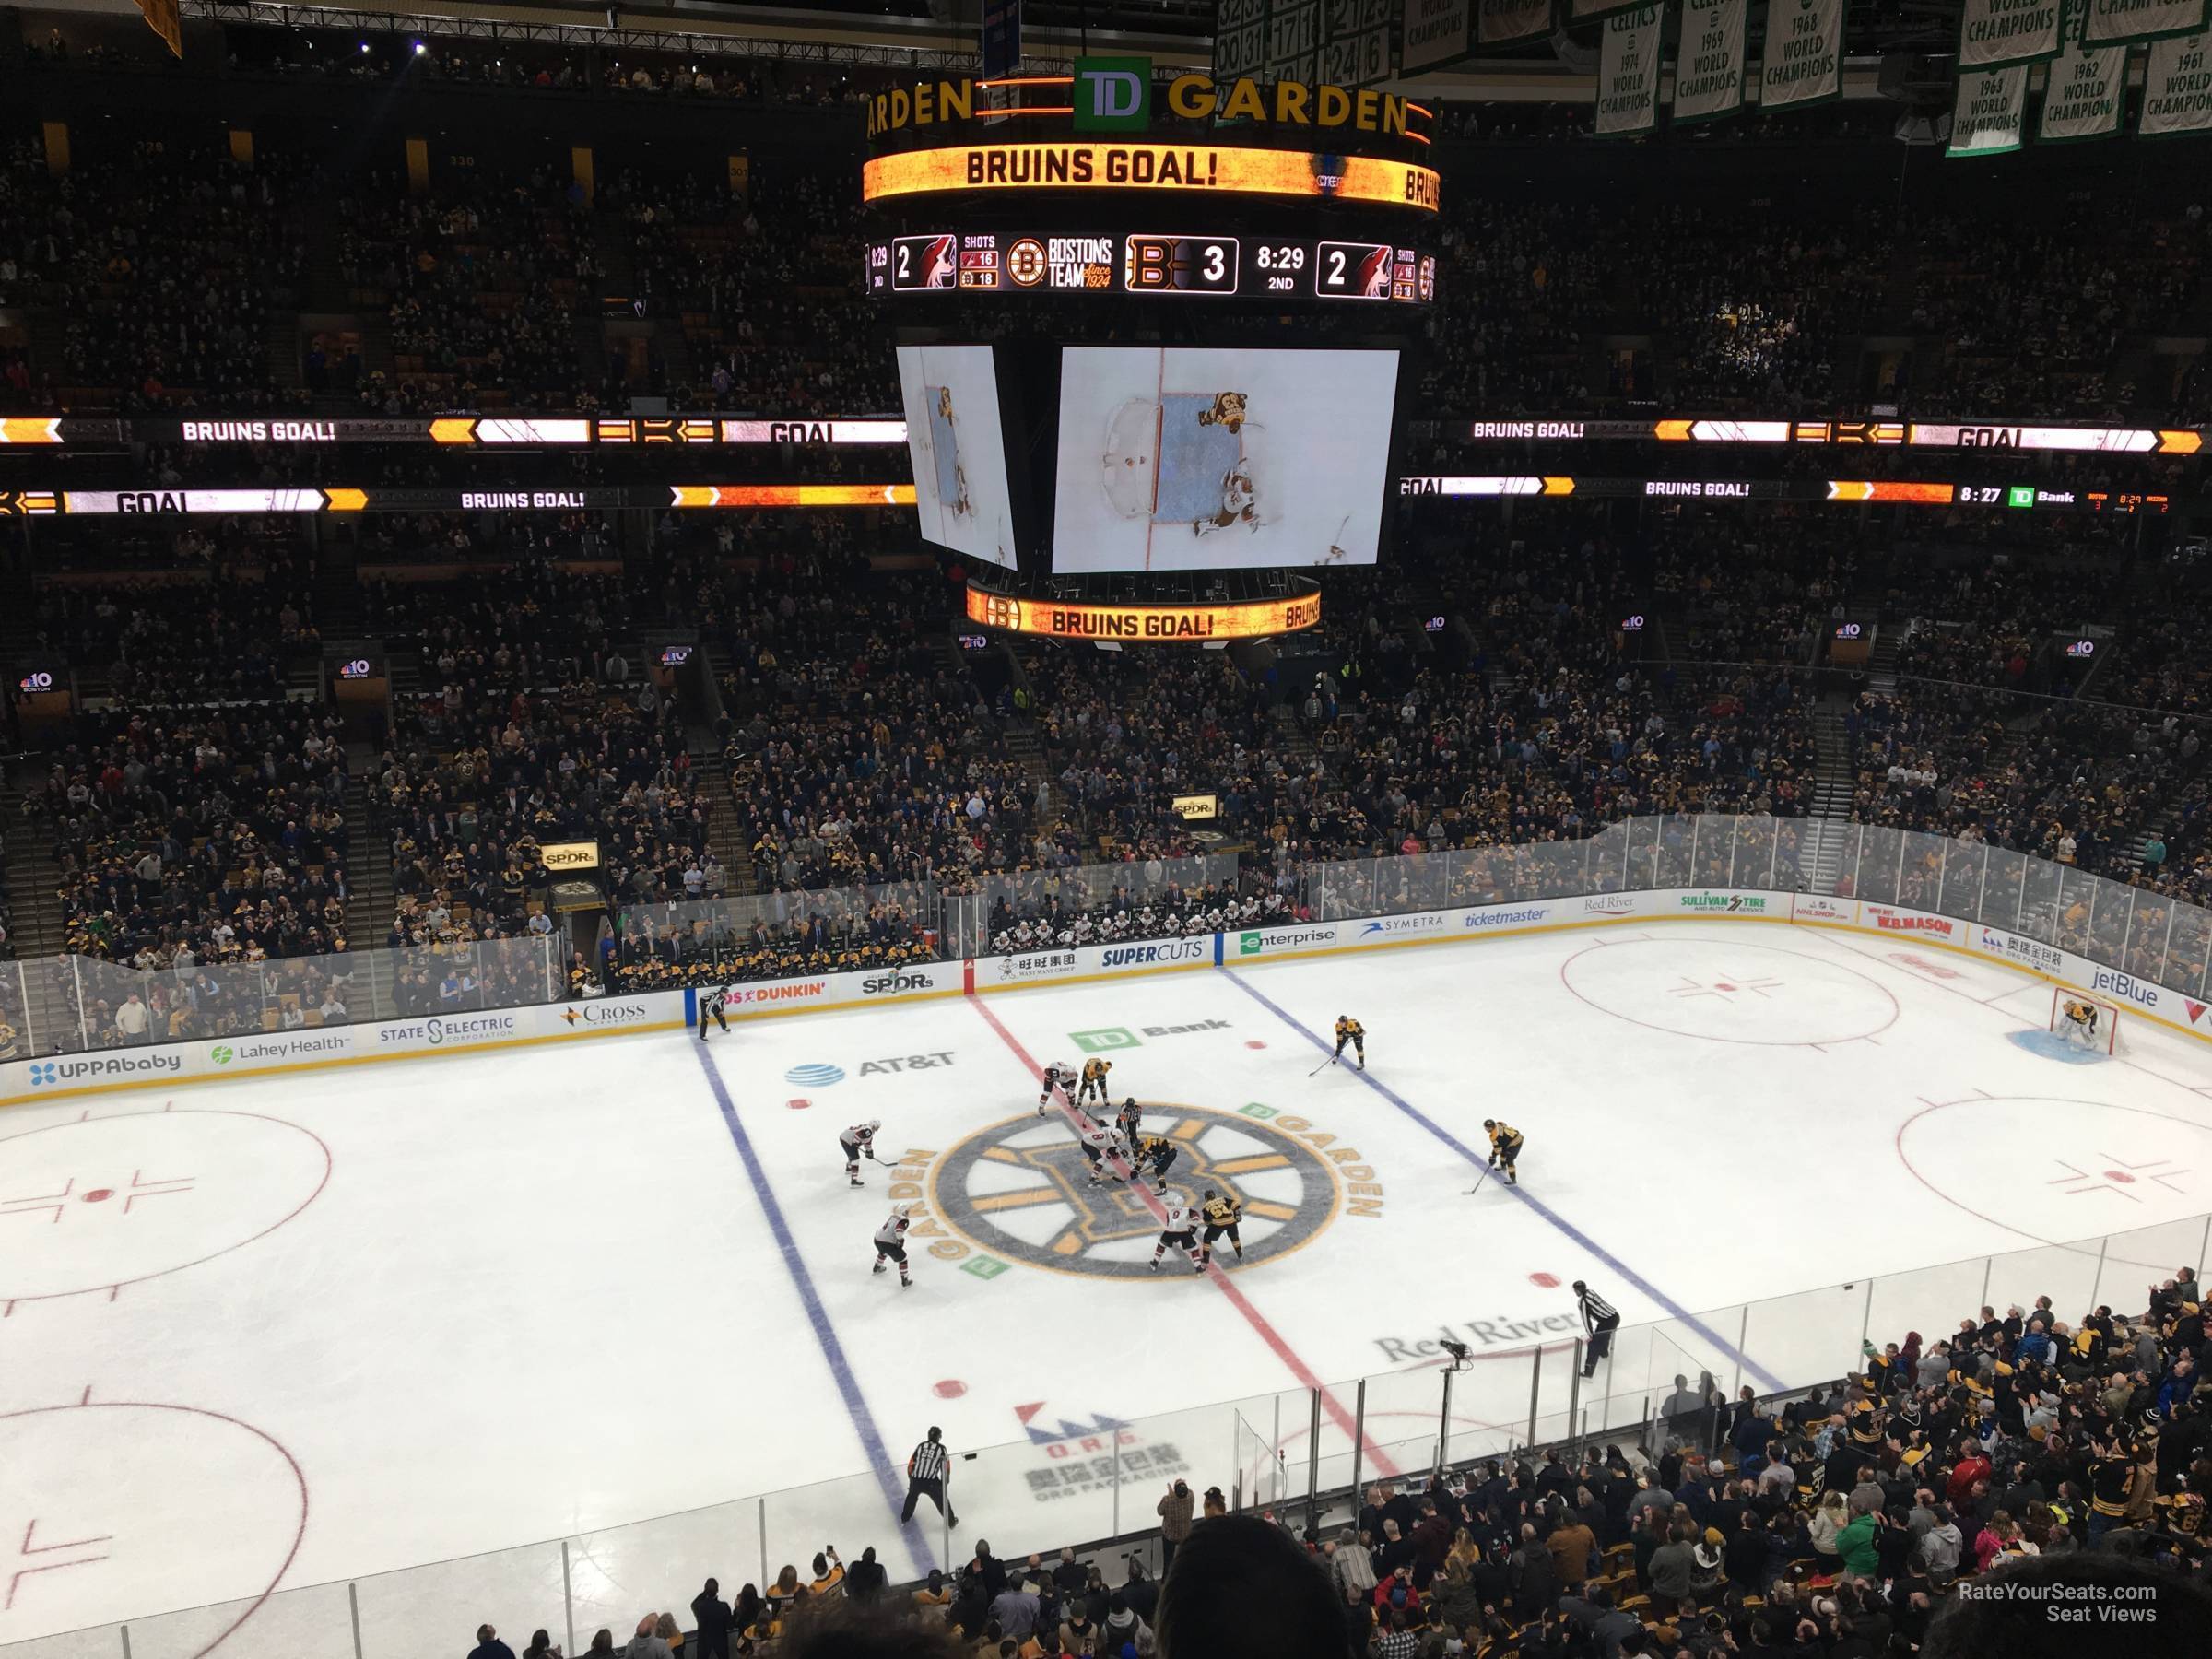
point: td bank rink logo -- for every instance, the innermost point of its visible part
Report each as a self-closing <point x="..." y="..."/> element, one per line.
<point x="1021" y="1191"/>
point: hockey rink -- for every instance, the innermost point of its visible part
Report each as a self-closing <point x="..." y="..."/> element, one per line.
<point x="266" y="1347"/>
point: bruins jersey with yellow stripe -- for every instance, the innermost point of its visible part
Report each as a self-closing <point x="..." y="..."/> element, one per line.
<point x="1094" y="1071"/>
<point x="1221" y="1212"/>
<point x="1349" y="1027"/>
<point x="1152" y="1146"/>
<point x="1504" y="1137"/>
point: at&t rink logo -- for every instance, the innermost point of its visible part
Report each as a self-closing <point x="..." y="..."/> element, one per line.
<point x="1021" y="1191"/>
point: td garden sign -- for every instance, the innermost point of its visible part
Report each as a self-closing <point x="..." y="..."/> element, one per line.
<point x="1115" y="95"/>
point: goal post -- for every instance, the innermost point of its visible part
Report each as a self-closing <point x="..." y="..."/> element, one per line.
<point x="2101" y="1032"/>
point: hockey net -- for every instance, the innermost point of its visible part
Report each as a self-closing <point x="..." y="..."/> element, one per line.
<point x="2100" y="1031"/>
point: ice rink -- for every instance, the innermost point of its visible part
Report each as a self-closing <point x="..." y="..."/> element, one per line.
<point x="263" y="1346"/>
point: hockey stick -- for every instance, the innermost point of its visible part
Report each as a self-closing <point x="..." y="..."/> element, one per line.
<point x="1330" y="1060"/>
<point x="1478" y="1181"/>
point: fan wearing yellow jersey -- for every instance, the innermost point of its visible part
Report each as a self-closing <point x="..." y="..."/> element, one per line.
<point x="1505" y="1148"/>
<point x="1350" y="1030"/>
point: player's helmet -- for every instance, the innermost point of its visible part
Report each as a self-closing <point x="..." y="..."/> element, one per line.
<point x="1580" y="1286"/>
<point x="1489" y="1123"/>
<point x="1129" y="1102"/>
<point x="873" y="1125"/>
<point x="1211" y="1194"/>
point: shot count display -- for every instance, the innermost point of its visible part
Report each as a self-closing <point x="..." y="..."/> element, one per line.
<point x="1151" y="263"/>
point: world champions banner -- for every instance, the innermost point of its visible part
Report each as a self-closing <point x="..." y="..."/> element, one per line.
<point x="1709" y="60"/>
<point x="1993" y="33"/>
<point x="1803" y="60"/>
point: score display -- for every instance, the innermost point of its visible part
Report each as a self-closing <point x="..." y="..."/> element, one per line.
<point x="1151" y="263"/>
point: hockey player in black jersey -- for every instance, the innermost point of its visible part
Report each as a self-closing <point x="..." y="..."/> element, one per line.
<point x="1221" y="1216"/>
<point x="1350" y="1030"/>
<point x="1094" y="1082"/>
<point x="1156" y="1155"/>
<point x="857" y="1141"/>
<point x="711" y="1004"/>
<point x="1505" y="1149"/>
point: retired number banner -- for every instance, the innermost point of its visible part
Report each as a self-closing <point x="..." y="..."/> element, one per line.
<point x="2085" y="94"/>
<point x="2113" y="21"/>
<point x="1987" y="119"/>
<point x="1803" y="62"/>
<point x="2177" y="87"/>
<point x="1627" y="74"/>
<point x="1993" y="33"/>
<point x="1709" y="60"/>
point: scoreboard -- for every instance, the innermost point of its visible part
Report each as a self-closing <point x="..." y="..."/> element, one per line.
<point x="996" y="261"/>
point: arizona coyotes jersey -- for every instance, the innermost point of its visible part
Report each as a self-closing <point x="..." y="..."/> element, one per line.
<point x="1102" y="1138"/>
<point x="1179" y="1219"/>
<point x="893" y="1231"/>
<point x="860" y="1134"/>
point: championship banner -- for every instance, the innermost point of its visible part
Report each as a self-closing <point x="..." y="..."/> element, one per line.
<point x="1592" y="11"/>
<point x="2110" y="22"/>
<point x="1987" y="119"/>
<point x="1627" y="74"/>
<point x="2177" y="87"/>
<point x="1499" y="22"/>
<point x="1432" y="33"/>
<point x="1709" y="60"/>
<point x="1993" y="33"/>
<point x="1801" y="62"/>
<point x="2085" y="94"/>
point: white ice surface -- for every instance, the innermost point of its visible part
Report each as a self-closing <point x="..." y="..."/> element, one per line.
<point x="334" y="1326"/>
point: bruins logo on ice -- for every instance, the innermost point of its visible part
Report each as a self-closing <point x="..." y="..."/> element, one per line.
<point x="1021" y="1190"/>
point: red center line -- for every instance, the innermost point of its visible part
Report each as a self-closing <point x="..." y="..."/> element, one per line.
<point x="1374" y="1454"/>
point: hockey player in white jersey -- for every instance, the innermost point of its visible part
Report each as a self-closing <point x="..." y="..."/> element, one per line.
<point x="858" y="1140"/>
<point x="1180" y="1230"/>
<point x="1061" y="1076"/>
<point x="1102" y="1143"/>
<point x="890" y="1243"/>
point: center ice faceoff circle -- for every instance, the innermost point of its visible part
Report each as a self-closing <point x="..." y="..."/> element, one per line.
<point x="1020" y="1190"/>
<point x="1729" y="991"/>
<point x="101" y="1202"/>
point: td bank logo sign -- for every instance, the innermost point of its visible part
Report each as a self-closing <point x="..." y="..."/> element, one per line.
<point x="1112" y="94"/>
<point x="1108" y="1037"/>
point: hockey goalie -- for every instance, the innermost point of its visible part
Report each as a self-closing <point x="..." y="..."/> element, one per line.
<point x="2083" y="1021"/>
<point x="1185" y="458"/>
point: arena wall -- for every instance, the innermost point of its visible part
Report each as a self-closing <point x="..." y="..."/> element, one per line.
<point x="163" y="1066"/>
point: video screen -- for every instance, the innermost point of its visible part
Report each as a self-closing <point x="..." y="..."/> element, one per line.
<point x="958" y="449"/>
<point x="1178" y="458"/>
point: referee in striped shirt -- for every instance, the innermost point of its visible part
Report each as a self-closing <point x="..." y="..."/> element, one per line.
<point x="1600" y="1315"/>
<point x="925" y="1479"/>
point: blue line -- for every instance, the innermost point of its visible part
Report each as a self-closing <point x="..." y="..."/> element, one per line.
<point x="1768" y="1380"/>
<point x="833" y="1351"/>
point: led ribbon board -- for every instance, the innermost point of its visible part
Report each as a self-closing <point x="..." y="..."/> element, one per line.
<point x="1146" y="624"/>
<point x="1206" y="169"/>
